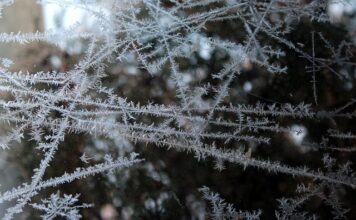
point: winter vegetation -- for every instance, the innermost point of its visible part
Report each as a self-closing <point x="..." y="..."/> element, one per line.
<point x="216" y="91"/>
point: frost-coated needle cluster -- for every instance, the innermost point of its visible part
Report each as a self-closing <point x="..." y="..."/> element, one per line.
<point x="47" y="106"/>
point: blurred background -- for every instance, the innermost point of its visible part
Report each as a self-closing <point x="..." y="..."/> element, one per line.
<point x="165" y="186"/>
